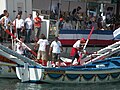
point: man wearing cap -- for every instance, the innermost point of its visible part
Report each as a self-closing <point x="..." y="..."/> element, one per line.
<point x="77" y="49"/>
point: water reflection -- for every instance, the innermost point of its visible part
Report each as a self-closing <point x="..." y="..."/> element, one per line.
<point x="14" y="84"/>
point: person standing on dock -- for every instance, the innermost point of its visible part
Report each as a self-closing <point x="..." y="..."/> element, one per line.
<point x="77" y="49"/>
<point x="56" y="48"/>
<point x="19" y="25"/>
<point x="2" y="24"/>
<point x="6" y="26"/>
<point x="37" y="25"/>
<point x="28" y="27"/>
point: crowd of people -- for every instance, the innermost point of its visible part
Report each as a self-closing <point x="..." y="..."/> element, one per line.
<point x="51" y="52"/>
<point x="67" y="20"/>
<point x="22" y="31"/>
<point x="45" y="51"/>
<point x="20" y="27"/>
<point x="42" y="46"/>
<point x="79" y="20"/>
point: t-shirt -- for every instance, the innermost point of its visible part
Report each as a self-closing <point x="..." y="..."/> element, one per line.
<point x="29" y="23"/>
<point x="42" y="44"/>
<point x="6" y="21"/>
<point x="77" y="44"/>
<point x="37" y="22"/>
<point x="56" y="46"/>
<point x="20" y="50"/>
<point x="19" y="23"/>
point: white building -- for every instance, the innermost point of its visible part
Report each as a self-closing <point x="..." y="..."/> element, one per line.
<point x="14" y="6"/>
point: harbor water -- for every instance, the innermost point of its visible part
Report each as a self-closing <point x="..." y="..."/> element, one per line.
<point x="15" y="84"/>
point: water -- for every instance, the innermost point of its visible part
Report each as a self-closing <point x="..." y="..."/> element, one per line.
<point x="15" y="84"/>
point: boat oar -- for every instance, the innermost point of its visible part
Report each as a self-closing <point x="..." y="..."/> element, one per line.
<point x="88" y="38"/>
<point x="79" y="59"/>
<point x="8" y="32"/>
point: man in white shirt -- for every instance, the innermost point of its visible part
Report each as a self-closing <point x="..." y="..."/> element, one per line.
<point x="20" y="47"/>
<point x="42" y="50"/>
<point x="77" y="49"/>
<point x="28" y="27"/>
<point x="1" y="25"/>
<point x="56" y="48"/>
<point x="19" y="24"/>
<point x="6" y="22"/>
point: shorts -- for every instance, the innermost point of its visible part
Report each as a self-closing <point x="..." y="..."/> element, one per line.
<point x="42" y="55"/>
<point x="55" y="56"/>
<point x="73" y="51"/>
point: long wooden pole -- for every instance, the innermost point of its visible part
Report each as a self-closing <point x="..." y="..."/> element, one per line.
<point x="8" y="32"/>
<point x="88" y="38"/>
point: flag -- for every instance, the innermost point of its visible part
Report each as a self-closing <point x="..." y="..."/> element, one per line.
<point x="116" y="33"/>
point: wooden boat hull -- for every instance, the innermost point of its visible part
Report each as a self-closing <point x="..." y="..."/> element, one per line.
<point x="59" y="76"/>
<point x="99" y="73"/>
<point x="79" y="77"/>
